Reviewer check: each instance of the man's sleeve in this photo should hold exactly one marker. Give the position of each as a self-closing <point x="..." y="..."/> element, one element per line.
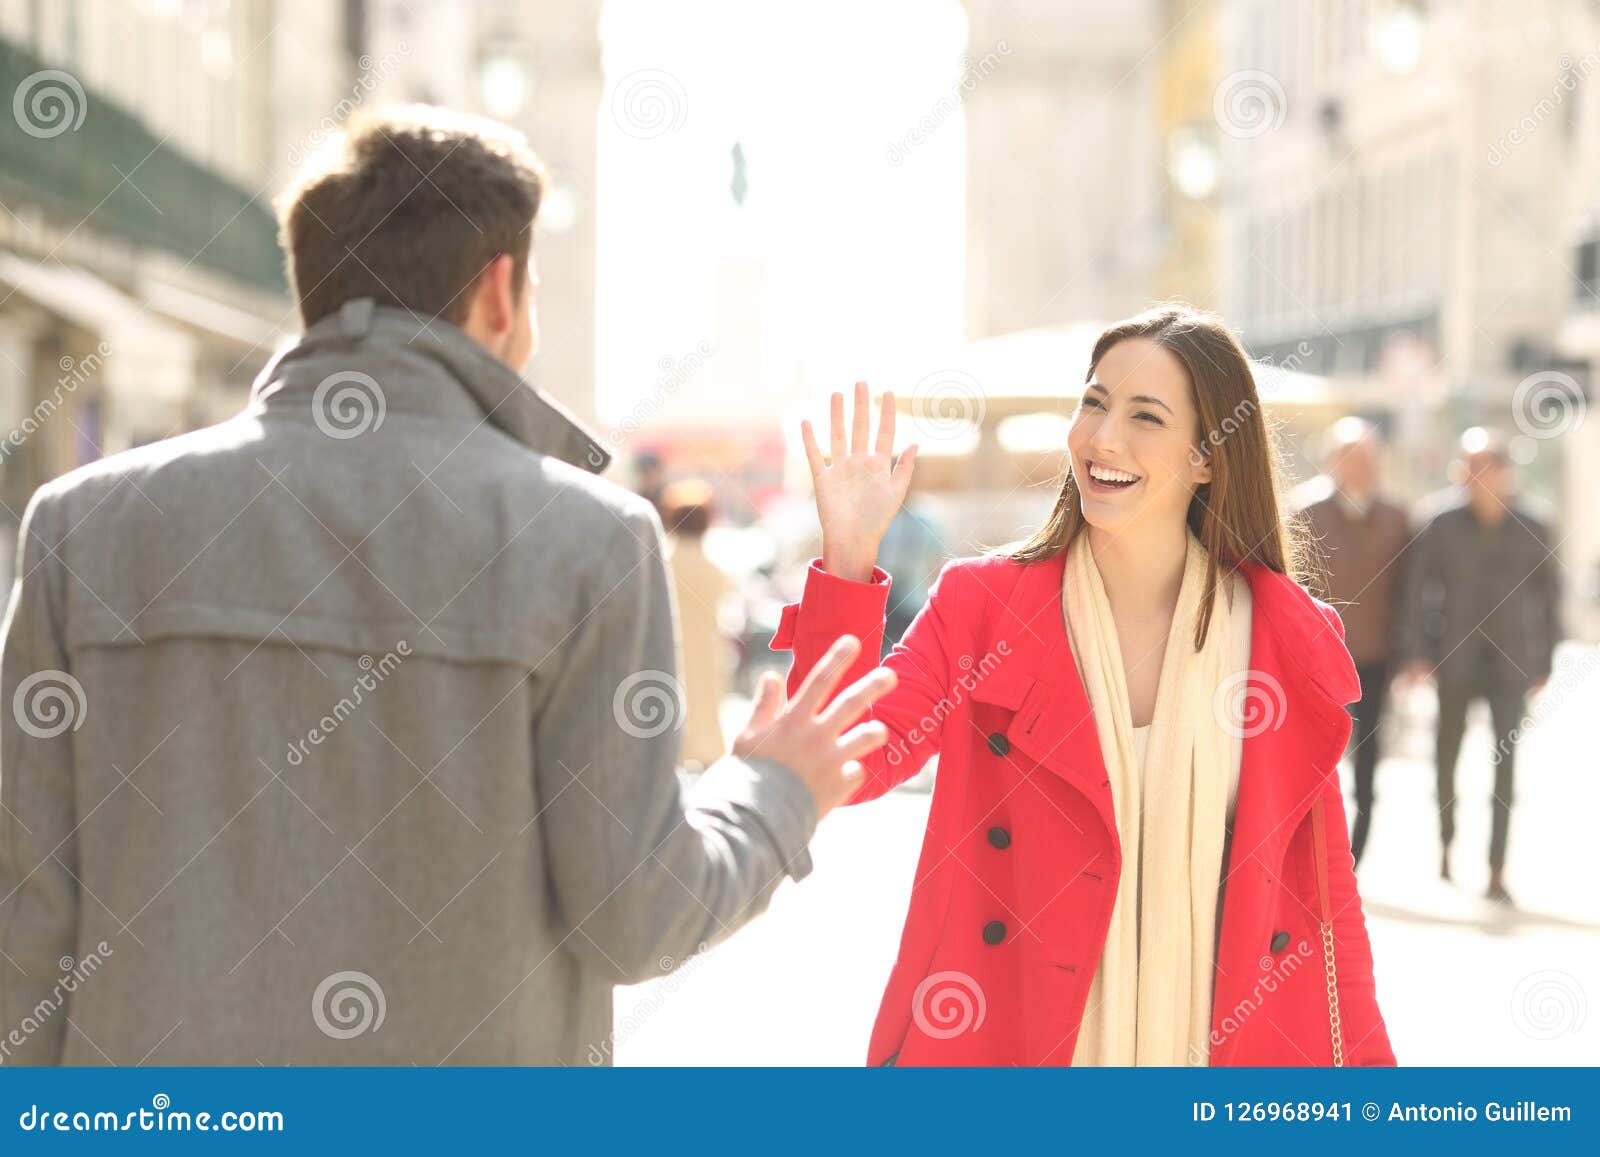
<point x="1548" y="580"/>
<point x="1417" y="566"/>
<point x="41" y="702"/>
<point x="643" y="869"/>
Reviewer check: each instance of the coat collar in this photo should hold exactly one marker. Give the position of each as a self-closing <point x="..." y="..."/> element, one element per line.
<point x="424" y="366"/>
<point x="1300" y="676"/>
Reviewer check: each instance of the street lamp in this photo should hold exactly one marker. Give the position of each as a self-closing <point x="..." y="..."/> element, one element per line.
<point x="503" y="80"/>
<point x="1396" y="36"/>
<point x="1192" y="162"/>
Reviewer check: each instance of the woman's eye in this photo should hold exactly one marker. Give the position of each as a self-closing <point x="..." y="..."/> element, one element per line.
<point x="1149" y="417"/>
<point x="1088" y="403"/>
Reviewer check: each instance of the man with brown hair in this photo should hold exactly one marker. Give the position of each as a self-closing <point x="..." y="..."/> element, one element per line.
<point x="1361" y="537"/>
<point x="344" y="731"/>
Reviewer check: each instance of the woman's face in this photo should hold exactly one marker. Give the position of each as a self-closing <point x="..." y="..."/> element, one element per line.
<point x="1137" y="420"/>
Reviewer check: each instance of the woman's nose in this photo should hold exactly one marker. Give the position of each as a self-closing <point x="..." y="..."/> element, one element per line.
<point x="1107" y="438"/>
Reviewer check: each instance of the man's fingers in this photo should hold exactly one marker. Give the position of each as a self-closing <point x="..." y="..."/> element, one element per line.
<point x="864" y="740"/>
<point x="826" y="674"/>
<point x="769" y="700"/>
<point x="850" y="781"/>
<point x="857" y="697"/>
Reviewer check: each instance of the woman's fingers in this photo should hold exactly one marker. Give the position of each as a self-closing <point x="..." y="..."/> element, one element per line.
<point x="901" y="475"/>
<point x="808" y="439"/>
<point x="886" y="424"/>
<point x="859" y="440"/>
<point x="863" y="420"/>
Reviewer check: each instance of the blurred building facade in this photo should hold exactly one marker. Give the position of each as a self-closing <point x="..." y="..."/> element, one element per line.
<point x="141" y="286"/>
<point x="1064" y="192"/>
<point x="1091" y="175"/>
<point x="1401" y="210"/>
<point x="537" y="67"/>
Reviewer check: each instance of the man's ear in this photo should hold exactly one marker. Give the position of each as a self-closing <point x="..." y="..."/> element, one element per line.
<point x="502" y="300"/>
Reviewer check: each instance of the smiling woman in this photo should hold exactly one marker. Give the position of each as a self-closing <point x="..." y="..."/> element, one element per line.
<point x="1170" y="402"/>
<point x="1171" y="885"/>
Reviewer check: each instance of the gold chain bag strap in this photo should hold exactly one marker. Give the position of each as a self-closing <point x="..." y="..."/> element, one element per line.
<point x="1319" y="840"/>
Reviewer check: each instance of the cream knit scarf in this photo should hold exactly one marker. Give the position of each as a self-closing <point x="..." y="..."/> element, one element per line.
<point x="1150" y="1000"/>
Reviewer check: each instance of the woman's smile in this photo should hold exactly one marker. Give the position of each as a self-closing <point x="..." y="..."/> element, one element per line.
<point x="1107" y="479"/>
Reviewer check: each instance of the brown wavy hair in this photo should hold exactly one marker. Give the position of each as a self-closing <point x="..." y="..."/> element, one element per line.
<point x="1237" y="515"/>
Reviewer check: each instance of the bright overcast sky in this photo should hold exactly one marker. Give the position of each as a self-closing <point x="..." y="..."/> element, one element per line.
<point x="840" y="261"/>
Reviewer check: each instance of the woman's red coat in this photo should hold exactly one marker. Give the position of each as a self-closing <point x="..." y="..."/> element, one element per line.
<point x="1019" y="867"/>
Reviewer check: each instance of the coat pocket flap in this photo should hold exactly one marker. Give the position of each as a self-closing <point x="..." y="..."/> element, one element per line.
<point x="1003" y="684"/>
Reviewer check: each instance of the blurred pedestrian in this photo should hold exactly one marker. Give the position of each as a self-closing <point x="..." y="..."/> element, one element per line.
<point x="650" y="478"/>
<point x="1362" y="536"/>
<point x="701" y="588"/>
<point x="1482" y="618"/>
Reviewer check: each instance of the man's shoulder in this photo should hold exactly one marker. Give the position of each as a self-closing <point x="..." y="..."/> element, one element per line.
<point x="89" y="484"/>
<point x="1440" y="509"/>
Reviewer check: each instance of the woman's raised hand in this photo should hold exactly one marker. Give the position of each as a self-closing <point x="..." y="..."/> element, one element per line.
<point x="859" y="487"/>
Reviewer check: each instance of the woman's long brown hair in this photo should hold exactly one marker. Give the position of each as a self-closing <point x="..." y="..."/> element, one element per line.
<point x="1237" y="515"/>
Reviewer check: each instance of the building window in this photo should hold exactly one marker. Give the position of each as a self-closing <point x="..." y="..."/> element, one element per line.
<point x="1588" y="263"/>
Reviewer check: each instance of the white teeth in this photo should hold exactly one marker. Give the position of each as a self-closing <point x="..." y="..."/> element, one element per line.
<point x="1105" y="475"/>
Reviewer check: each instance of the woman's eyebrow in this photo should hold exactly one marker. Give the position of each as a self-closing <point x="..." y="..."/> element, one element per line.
<point x="1136" y="398"/>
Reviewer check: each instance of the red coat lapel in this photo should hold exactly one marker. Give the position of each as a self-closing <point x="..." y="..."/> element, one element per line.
<point x="1301" y="675"/>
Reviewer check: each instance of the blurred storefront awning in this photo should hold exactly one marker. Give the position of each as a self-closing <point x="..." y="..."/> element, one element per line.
<point x="146" y="360"/>
<point x="213" y="318"/>
<point x="1027" y="384"/>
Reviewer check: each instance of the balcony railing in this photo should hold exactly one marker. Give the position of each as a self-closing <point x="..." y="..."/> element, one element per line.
<point x="76" y="154"/>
